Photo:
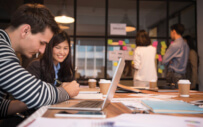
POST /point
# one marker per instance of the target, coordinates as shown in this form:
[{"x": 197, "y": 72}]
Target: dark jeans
[{"x": 172, "y": 78}]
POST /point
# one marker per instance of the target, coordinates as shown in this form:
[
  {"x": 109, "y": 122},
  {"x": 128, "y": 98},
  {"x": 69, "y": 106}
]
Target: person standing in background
[
  {"x": 144, "y": 60},
  {"x": 176, "y": 56},
  {"x": 192, "y": 66}
]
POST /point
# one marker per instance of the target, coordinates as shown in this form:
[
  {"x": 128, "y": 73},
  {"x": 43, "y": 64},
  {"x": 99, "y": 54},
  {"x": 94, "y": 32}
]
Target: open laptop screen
[{"x": 116, "y": 78}]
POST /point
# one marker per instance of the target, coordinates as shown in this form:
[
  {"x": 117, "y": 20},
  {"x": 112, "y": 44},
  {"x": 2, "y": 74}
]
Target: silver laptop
[{"x": 95, "y": 105}]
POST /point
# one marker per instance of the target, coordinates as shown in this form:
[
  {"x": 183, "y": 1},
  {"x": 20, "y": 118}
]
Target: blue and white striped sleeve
[{"x": 24, "y": 86}]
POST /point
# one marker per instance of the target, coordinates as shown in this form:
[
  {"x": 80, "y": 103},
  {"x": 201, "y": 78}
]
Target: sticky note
[
  {"x": 127, "y": 41},
  {"x": 155, "y": 43},
  {"x": 132, "y": 45},
  {"x": 171, "y": 42},
  {"x": 132, "y": 62},
  {"x": 124, "y": 47},
  {"x": 110, "y": 41},
  {"x": 162, "y": 67},
  {"x": 163, "y": 49},
  {"x": 157, "y": 56},
  {"x": 160, "y": 58},
  {"x": 160, "y": 71},
  {"x": 124, "y": 43},
  {"x": 164, "y": 46},
  {"x": 163, "y": 53},
  {"x": 120, "y": 42},
  {"x": 110, "y": 48},
  {"x": 115, "y": 64},
  {"x": 130, "y": 53},
  {"x": 163, "y": 43}
]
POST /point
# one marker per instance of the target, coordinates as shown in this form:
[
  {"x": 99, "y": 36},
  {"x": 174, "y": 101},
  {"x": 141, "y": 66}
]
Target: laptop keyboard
[{"x": 89, "y": 104}]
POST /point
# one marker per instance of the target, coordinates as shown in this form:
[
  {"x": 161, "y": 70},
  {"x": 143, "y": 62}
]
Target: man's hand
[
  {"x": 16, "y": 106},
  {"x": 72, "y": 88}
]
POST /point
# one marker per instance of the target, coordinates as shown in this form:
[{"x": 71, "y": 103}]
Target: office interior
[{"x": 91, "y": 35}]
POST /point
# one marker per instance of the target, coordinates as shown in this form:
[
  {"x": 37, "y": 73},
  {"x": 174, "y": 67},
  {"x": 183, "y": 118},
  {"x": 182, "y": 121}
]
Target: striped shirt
[{"x": 25, "y": 87}]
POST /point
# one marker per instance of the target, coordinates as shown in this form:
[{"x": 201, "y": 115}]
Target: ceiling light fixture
[
  {"x": 62, "y": 15},
  {"x": 129, "y": 26}
]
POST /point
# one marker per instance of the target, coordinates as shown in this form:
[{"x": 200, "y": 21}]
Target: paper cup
[
  {"x": 184, "y": 88},
  {"x": 104, "y": 86},
  {"x": 153, "y": 84},
  {"x": 92, "y": 83}
]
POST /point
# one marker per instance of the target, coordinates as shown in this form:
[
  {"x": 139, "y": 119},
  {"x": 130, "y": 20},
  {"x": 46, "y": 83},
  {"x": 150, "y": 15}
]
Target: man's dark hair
[
  {"x": 36, "y": 15},
  {"x": 142, "y": 38},
  {"x": 179, "y": 28}
]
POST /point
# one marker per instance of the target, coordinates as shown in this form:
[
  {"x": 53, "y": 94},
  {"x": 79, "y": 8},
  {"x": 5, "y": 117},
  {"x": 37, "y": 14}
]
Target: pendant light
[
  {"x": 62, "y": 15},
  {"x": 129, "y": 26}
]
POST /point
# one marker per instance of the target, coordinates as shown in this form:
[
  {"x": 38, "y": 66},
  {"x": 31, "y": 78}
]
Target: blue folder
[{"x": 172, "y": 107}]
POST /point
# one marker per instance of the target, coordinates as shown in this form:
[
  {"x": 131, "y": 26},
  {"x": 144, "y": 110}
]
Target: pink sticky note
[
  {"x": 155, "y": 43},
  {"x": 124, "y": 47},
  {"x": 171, "y": 42},
  {"x": 120, "y": 42},
  {"x": 160, "y": 58}
]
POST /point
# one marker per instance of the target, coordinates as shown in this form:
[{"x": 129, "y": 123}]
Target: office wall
[{"x": 200, "y": 40}]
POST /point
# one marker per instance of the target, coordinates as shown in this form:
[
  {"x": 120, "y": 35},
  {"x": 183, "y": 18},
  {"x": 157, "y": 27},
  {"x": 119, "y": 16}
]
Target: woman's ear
[{"x": 26, "y": 29}]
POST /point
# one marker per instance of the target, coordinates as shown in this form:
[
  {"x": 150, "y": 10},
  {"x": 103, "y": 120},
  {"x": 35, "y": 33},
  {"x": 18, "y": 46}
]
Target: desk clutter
[
  {"x": 124, "y": 120},
  {"x": 138, "y": 107}
]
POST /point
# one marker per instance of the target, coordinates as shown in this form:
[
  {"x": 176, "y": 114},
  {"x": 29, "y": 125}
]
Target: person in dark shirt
[{"x": 192, "y": 66}]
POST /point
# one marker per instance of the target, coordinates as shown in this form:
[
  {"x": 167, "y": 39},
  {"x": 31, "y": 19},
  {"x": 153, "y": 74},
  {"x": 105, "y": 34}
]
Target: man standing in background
[{"x": 176, "y": 56}]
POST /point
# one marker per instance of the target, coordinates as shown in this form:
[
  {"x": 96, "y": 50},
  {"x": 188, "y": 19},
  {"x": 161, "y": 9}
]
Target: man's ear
[{"x": 25, "y": 30}]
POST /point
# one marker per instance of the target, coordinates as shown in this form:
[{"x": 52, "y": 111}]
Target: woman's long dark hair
[{"x": 65, "y": 73}]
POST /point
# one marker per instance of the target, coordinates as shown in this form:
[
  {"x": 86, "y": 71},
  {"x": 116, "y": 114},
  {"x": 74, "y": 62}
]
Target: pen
[{"x": 20, "y": 115}]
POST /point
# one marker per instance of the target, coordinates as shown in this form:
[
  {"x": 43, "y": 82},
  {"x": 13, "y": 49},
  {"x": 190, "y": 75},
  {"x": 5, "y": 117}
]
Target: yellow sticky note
[
  {"x": 162, "y": 53},
  {"x": 130, "y": 53},
  {"x": 164, "y": 46},
  {"x": 132, "y": 45},
  {"x": 163, "y": 50},
  {"x": 110, "y": 41},
  {"x": 160, "y": 71},
  {"x": 163, "y": 43},
  {"x": 124, "y": 43},
  {"x": 132, "y": 62},
  {"x": 115, "y": 64},
  {"x": 157, "y": 56}
]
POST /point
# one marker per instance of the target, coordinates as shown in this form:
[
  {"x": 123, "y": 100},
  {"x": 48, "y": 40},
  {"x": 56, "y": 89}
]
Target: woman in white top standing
[{"x": 144, "y": 60}]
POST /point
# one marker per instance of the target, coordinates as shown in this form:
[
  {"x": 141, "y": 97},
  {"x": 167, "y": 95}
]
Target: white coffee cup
[
  {"x": 104, "y": 86},
  {"x": 92, "y": 83},
  {"x": 184, "y": 88}
]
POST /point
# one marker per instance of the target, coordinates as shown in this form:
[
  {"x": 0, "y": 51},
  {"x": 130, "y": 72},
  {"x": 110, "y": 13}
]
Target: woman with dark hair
[
  {"x": 192, "y": 66},
  {"x": 144, "y": 60},
  {"x": 55, "y": 64}
]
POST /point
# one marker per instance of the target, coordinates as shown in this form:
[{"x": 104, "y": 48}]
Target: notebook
[
  {"x": 174, "y": 106},
  {"x": 127, "y": 89},
  {"x": 99, "y": 105}
]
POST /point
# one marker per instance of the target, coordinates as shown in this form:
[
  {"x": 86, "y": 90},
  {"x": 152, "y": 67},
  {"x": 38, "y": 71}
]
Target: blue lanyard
[{"x": 56, "y": 69}]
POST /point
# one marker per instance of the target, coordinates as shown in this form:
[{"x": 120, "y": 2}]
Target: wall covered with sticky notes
[
  {"x": 121, "y": 48},
  {"x": 161, "y": 46}
]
